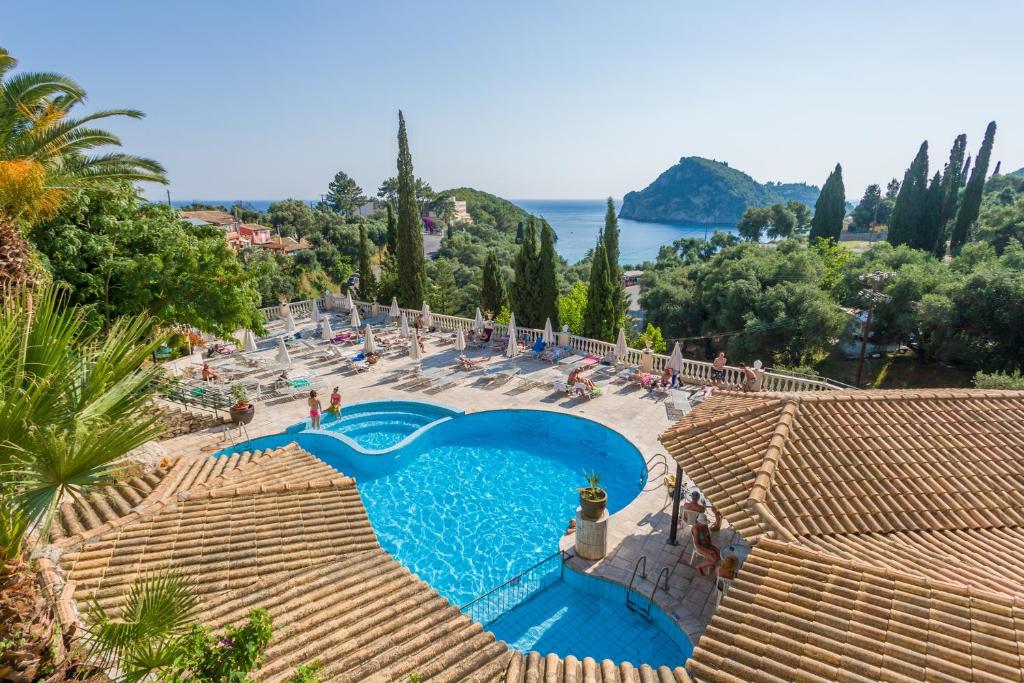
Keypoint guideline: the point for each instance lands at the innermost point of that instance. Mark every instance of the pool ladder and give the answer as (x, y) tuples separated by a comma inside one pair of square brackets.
[(633, 595), (650, 473)]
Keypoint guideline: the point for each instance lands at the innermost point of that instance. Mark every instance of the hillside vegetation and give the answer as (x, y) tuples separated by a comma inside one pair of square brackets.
[(698, 190)]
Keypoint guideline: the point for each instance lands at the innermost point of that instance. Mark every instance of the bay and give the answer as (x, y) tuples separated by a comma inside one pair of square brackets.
[(577, 222)]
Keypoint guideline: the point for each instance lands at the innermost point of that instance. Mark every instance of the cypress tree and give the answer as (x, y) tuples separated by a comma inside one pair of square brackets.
[(910, 202), (367, 281), (519, 233), (547, 304), (525, 293), (611, 246), (951, 181), (928, 232), (830, 208), (392, 239), (492, 289), (599, 315), (970, 205), (411, 279)]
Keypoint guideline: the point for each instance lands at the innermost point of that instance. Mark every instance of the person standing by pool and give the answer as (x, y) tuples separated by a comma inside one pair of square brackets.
[(314, 410), (335, 402)]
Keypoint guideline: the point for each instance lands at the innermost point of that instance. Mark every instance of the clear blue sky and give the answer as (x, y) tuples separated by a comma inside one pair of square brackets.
[(534, 99)]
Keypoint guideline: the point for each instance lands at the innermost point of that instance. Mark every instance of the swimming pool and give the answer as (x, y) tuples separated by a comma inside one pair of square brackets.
[(468, 501)]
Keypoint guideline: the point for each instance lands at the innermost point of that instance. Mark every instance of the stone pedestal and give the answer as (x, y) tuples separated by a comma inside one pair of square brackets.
[(591, 536)]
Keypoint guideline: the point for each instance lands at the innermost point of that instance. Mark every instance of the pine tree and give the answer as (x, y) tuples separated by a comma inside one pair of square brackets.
[(599, 316), (830, 208), (524, 296), (970, 205), (392, 239), (547, 304), (910, 202), (865, 212), (411, 278), (367, 281)]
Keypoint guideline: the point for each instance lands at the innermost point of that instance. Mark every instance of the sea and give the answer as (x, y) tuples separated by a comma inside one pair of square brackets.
[(576, 222)]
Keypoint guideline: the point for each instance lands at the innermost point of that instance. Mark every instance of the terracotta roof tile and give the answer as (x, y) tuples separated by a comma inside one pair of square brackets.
[(795, 614)]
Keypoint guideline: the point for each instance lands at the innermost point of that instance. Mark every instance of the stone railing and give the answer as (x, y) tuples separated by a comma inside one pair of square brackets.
[(695, 371), (300, 309)]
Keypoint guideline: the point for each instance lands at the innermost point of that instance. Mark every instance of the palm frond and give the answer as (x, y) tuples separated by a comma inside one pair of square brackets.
[(159, 609)]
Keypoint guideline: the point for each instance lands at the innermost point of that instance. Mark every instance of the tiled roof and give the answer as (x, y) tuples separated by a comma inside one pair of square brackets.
[(282, 530), (213, 216), (827, 463), (533, 667), (888, 534), (796, 615)]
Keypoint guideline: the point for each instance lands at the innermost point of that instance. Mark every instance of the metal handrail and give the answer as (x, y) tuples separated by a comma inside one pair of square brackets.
[(564, 554), (648, 472), (663, 572), (643, 575)]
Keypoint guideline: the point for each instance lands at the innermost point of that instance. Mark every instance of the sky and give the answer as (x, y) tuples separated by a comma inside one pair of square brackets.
[(267, 100)]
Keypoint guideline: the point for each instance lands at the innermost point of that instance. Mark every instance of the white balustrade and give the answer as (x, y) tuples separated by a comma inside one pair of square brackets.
[(695, 371)]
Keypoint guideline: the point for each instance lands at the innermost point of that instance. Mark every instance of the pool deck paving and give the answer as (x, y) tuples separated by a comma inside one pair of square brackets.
[(639, 529)]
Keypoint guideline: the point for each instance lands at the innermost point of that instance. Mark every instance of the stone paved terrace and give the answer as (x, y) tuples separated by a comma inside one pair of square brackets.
[(639, 529)]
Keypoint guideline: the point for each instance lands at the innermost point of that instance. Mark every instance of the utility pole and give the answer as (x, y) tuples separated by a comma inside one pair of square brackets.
[(171, 206), (872, 296)]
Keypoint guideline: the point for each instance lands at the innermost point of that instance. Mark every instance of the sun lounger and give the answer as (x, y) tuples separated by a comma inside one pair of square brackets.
[(501, 375)]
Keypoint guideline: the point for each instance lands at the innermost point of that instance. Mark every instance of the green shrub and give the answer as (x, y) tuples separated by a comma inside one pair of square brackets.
[(999, 380)]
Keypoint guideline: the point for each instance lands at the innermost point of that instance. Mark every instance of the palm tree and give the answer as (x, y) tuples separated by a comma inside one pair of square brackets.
[(45, 153), (72, 404), (148, 634)]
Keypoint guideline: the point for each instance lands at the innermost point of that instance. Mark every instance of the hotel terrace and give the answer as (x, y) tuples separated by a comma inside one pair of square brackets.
[(880, 531)]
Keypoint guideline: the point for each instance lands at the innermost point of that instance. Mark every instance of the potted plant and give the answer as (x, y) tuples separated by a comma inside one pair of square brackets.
[(593, 498), (243, 411)]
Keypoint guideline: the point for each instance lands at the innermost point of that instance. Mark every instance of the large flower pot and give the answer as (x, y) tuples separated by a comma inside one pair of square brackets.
[(242, 416), (593, 506)]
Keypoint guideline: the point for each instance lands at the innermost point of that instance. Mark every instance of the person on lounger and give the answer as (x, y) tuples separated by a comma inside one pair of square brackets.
[(666, 378), (704, 546), (209, 374)]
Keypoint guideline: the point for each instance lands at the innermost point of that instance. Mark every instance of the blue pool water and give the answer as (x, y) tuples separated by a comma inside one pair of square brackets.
[(566, 618), (469, 501)]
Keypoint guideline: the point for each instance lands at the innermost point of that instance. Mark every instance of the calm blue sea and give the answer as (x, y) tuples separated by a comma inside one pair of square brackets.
[(576, 222)]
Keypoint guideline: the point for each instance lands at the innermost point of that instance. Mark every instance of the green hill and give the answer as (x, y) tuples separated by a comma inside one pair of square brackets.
[(698, 190)]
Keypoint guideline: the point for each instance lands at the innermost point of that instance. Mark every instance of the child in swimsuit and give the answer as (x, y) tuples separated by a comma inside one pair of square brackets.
[(335, 402), (314, 410)]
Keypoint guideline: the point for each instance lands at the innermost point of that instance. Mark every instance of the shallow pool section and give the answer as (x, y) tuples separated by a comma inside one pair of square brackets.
[(380, 425), (587, 617)]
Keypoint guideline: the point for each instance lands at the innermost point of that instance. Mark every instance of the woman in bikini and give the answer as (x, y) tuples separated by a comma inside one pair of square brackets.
[(704, 546), (314, 410)]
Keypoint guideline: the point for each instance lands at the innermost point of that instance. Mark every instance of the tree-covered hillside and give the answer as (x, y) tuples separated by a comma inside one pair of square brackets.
[(698, 190)]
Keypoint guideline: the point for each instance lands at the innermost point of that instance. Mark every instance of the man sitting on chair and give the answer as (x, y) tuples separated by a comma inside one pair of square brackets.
[(694, 505)]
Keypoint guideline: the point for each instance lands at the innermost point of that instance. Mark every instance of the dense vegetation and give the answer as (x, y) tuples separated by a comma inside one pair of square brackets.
[(698, 190), (786, 305)]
